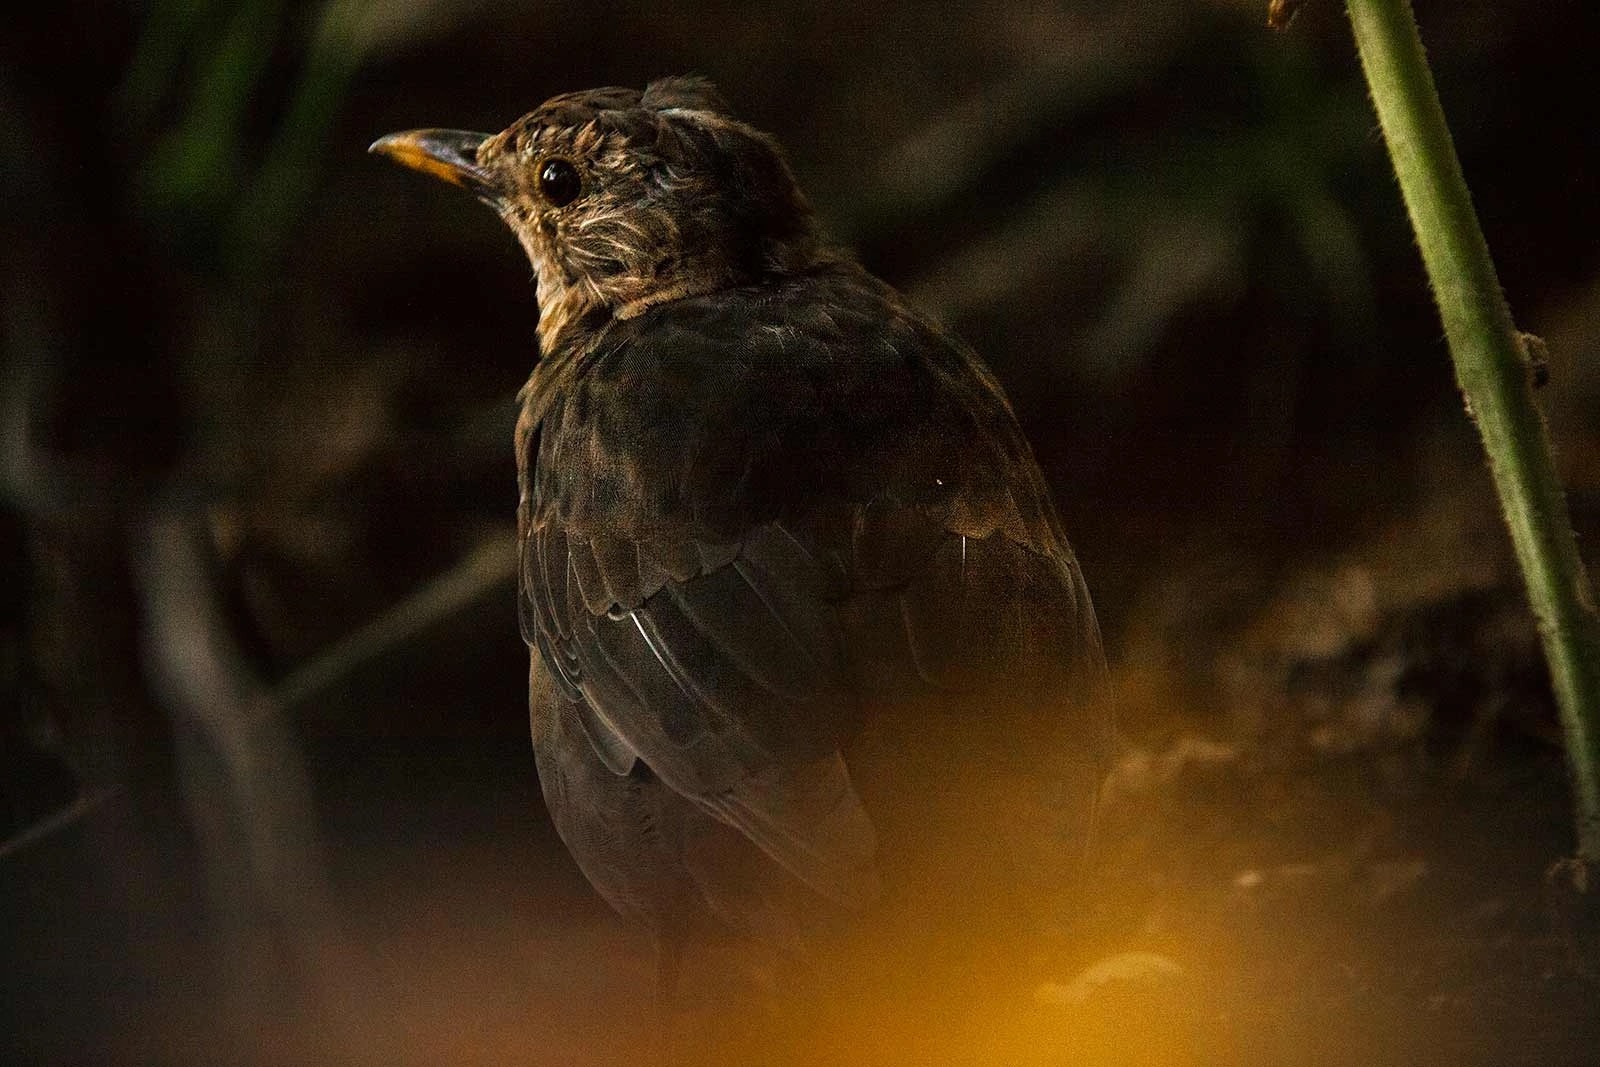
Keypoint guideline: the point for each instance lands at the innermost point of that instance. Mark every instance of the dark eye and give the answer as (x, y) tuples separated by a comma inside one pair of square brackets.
[(558, 181)]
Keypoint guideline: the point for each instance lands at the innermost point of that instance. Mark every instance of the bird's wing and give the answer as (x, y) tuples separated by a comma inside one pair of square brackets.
[(724, 494), (726, 682)]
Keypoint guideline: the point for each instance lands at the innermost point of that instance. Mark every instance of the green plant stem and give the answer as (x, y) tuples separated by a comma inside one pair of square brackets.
[(1493, 371)]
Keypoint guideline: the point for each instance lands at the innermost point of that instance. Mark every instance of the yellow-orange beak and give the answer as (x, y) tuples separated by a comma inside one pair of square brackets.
[(449, 155)]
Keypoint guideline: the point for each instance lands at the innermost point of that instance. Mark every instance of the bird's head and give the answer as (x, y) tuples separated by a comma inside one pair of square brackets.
[(624, 199)]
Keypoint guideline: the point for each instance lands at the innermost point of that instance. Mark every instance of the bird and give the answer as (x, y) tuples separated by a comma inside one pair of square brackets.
[(788, 570)]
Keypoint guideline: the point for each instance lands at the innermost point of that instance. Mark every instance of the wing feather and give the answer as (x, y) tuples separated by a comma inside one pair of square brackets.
[(746, 521), (809, 819)]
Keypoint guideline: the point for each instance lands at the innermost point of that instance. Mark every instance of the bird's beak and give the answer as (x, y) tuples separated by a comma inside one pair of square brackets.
[(450, 155)]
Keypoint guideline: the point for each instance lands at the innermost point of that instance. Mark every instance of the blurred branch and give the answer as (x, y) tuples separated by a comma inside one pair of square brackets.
[(1194, 206), (64, 819), (951, 153), (1494, 372), (245, 784), (1166, 258), (492, 564), (247, 790), (1051, 231)]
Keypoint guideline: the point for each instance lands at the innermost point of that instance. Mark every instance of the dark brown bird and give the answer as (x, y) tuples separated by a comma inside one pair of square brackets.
[(778, 530)]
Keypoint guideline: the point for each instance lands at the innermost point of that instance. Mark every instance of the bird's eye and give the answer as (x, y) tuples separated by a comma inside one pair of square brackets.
[(559, 182)]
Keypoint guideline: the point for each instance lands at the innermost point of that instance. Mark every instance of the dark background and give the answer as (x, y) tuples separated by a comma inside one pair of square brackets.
[(265, 785)]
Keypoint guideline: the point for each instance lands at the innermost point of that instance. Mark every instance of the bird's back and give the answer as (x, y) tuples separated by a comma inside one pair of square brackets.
[(799, 596)]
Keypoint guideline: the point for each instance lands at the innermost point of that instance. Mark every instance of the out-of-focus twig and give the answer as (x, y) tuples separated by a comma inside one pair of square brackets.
[(245, 782), (57, 821), (948, 154), (243, 778), (487, 567)]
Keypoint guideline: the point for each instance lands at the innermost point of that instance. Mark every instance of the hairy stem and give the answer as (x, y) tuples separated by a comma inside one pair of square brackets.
[(1493, 371)]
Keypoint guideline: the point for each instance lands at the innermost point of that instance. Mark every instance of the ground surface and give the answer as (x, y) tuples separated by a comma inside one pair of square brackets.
[(1263, 902)]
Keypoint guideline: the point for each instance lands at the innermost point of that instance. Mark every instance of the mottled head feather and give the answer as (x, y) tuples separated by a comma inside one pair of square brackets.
[(678, 198)]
